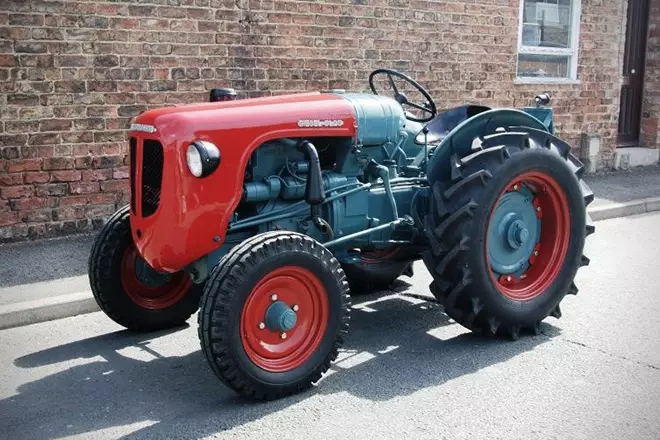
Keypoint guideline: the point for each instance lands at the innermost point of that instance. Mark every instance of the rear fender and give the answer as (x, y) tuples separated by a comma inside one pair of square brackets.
[(459, 141)]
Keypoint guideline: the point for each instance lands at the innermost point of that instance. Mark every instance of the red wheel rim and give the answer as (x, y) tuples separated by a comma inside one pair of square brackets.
[(295, 286), (550, 252), (149, 296)]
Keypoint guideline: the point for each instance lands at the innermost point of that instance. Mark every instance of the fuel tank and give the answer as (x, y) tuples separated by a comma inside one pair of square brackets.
[(378, 118)]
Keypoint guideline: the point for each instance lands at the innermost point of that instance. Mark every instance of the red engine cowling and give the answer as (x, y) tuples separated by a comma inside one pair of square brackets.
[(177, 218)]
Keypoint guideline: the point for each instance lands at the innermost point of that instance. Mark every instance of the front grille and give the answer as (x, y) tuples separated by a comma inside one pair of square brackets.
[(152, 175), (133, 155)]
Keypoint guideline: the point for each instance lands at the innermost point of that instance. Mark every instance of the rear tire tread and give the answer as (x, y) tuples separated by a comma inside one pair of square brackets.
[(452, 278)]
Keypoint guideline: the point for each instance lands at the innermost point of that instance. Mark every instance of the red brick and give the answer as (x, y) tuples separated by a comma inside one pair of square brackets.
[(120, 173), (68, 213), (73, 200), (11, 179), (108, 161), (41, 177), (17, 166), (95, 211), (65, 176), (77, 137), (83, 187), (58, 163), (8, 61), (102, 198), (94, 175), (111, 10), (36, 216), (14, 192), (26, 19), (37, 152), (51, 189), (22, 100), (8, 218), (70, 111), (55, 125), (44, 139), (21, 126), (27, 203), (83, 162), (89, 124), (114, 185)]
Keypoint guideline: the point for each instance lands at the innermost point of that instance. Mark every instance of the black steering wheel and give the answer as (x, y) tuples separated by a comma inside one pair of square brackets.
[(428, 107)]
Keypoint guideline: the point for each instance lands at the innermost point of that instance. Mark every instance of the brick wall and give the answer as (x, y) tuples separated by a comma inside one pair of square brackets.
[(73, 73), (651, 106)]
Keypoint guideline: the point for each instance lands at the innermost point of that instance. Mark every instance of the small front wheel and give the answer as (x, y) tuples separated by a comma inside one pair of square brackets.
[(273, 315), (128, 290)]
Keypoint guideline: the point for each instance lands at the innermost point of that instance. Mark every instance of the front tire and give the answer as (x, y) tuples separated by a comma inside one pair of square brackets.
[(507, 232), (128, 290), (274, 314)]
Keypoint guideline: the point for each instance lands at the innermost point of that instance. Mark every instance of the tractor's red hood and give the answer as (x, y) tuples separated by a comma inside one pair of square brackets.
[(201, 121)]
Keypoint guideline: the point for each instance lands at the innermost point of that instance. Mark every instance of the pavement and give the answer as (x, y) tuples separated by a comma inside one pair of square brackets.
[(46, 280), (406, 370)]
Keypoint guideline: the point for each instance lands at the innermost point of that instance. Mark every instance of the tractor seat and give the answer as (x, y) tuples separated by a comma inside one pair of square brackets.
[(440, 126)]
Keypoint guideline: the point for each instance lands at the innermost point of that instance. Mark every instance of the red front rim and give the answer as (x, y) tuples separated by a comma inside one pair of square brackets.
[(267, 348), (550, 252), (154, 297)]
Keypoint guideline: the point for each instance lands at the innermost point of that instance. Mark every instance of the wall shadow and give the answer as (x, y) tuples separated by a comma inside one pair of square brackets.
[(44, 260)]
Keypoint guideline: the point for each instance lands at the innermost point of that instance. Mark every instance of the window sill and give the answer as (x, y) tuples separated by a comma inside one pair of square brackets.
[(546, 81)]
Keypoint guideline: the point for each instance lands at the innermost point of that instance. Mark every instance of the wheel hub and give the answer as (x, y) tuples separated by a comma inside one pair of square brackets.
[(280, 317), (148, 276), (518, 234), (514, 231)]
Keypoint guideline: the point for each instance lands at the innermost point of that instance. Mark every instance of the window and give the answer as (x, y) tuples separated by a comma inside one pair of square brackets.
[(548, 40)]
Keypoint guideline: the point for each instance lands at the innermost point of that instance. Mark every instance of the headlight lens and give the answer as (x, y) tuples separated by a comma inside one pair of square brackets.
[(194, 161), (203, 158)]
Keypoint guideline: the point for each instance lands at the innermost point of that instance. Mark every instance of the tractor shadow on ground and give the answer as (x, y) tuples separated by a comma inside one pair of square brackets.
[(399, 344)]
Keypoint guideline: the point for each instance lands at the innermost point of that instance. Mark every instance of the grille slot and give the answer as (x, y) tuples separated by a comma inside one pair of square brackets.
[(152, 175), (133, 155)]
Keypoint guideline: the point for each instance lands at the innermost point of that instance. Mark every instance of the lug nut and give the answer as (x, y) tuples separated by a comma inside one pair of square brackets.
[(508, 279), (536, 253), (538, 208), (273, 297), (295, 308), (283, 335), (262, 325), (515, 187)]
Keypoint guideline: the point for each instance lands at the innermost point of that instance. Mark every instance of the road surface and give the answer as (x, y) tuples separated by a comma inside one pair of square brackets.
[(406, 370)]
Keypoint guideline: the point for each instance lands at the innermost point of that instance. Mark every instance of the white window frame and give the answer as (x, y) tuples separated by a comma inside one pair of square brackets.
[(572, 52)]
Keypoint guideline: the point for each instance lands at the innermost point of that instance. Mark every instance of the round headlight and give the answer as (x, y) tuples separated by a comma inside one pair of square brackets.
[(203, 158)]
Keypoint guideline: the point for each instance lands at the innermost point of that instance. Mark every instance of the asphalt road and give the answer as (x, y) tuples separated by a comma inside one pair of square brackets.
[(406, 371)]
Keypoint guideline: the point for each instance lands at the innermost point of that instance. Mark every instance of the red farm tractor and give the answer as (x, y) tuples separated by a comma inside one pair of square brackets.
[(265, 213)]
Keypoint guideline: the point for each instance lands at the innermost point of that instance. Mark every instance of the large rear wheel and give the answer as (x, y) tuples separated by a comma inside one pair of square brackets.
[(507, 233), (274, 313), (128, 290)]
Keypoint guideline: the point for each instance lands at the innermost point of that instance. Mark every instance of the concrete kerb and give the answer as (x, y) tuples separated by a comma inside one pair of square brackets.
[(614, 210), (63, 306)]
